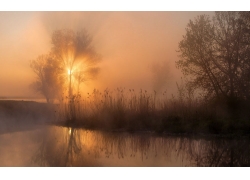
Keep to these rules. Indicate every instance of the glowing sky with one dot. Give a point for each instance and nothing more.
(136, 47)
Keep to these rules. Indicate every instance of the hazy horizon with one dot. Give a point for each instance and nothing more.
(138, 49)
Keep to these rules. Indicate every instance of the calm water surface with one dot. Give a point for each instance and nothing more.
(57, 146)
(40, 100)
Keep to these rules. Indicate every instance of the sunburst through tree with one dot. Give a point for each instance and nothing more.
(71, 61)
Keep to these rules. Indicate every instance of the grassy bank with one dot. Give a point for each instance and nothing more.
(128, 110)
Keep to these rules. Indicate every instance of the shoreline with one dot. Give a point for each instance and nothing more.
(26, 113)
(156, 133)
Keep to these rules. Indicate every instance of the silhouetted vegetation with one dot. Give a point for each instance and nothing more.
(127, 110)
(214, 56)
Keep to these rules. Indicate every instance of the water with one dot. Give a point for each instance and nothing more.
(57, 146)
(40, 100)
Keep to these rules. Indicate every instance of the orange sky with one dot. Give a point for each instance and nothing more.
(131, 44)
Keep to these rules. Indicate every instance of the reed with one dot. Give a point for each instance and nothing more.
(130, 110)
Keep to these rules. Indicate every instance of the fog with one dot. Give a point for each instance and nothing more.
(138, 49)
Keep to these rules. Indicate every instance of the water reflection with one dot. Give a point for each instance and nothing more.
(221, 152)
(77, 147)
(59, 148)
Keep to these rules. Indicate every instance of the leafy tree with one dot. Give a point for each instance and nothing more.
(214, 54)
(71, 61)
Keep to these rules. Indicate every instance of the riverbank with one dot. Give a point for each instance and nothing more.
(22, 115)
(172, 133)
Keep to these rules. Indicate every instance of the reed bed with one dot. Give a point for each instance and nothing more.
(130, 110)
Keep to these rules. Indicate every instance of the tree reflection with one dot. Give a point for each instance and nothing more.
(76, 147)
(222, 152)
(56, 151)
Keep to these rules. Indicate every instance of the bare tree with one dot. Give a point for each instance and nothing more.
(214, 53)
(48, 83)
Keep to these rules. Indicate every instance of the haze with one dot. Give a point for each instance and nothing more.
(138, 49)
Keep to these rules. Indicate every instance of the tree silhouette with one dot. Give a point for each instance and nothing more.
(48, 83)
(214, 54)
(71, 61)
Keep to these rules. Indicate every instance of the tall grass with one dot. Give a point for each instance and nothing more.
(127, 109)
